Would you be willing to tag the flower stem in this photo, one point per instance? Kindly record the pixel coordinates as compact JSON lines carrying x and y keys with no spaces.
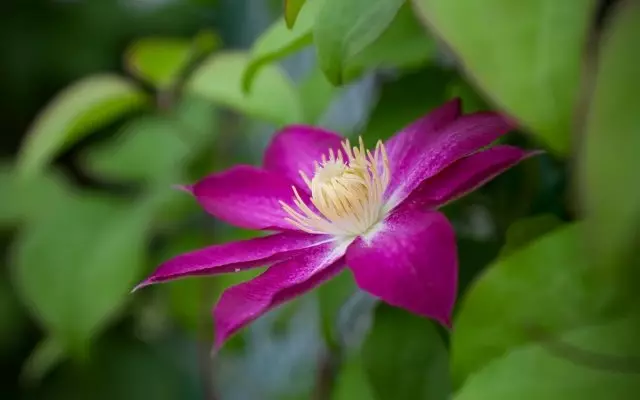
{"x":328,"y":367}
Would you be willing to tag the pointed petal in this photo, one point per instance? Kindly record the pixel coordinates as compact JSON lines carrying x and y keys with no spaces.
{"x":296,"y":148}
{"x":247,"y":197}
{"x":424,"y":149}
{"x":466,"y":175}
{"x":407,"y":144}
{"x":236,"y":256}
{"x":411,"y":263}
{"x":243,"y":303}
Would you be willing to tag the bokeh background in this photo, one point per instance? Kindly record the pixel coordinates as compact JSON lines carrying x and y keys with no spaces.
{"x":108,"y":104}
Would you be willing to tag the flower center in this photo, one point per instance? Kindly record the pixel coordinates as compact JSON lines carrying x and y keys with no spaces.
{"x":347,"y":192}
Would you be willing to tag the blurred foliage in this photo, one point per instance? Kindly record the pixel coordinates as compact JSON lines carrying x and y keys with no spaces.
{"x":291,"y":10}
{"x":79,"y":110}
{"x":115,"y":102}
{"x":586,"y":363}
{"x":610,"y":135}
{"x":403,"y":342}
{"x":342,"y":30}
{"x":525,"y":55}
{"x":273,"y":98}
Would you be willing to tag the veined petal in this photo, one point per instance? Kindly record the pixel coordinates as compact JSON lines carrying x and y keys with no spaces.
{"x":410,"y":263}
{"x":438,"y":145}
{"x":247,"y":197}
{"x":243,"y":303}
{"x":236,"y":256}
{"x":466,"y":175}
{"x":296,"y":148}
{"x":405,"y":146}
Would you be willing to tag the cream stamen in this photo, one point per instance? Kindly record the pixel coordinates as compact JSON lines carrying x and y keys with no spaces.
{"x":347,"y":193}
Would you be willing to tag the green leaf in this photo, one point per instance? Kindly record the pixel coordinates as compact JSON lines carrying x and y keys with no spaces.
{"x":405,"y":358}
{"x":544,"y":285}
{"x":21,"y":199}
{"x":523,"y":231}
{"x":198,"y":122}
{"x":279,"y":41}
{"x":76,"y":112}
{"x":417,"y":47}
{"x":402,"y":101}
{"x":273,"y":98}
{"x":76,"y":267}
{"x":471,"y":99}
{"x":612,"y":141}
{"x":589,"y":363}
{"x":161,"y":60}
{"x":158,"y":61}
{"x":345,"y":28}
{"x":351,"y":382}
{"x":291,"y":10}
{"x":524,"y":54}
{"x":150,"y":148}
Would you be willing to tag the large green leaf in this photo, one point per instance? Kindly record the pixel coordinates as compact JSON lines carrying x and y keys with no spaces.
{"x":76,"y":267}
{"x":543,"y":285}
{"x":352,"y":382}
{"x":525,"y":230}
{"x":273,"y":97}
{"x":404,"y":357}
{"x":279,"y":41}
{"x":524,"y":54}
{"x":345,"y":28}
{"x":385,"y":52}
{"x":77,"y":111}
{"x":22,"y":197}
{"x":612,"y":144}
{"x":151,"y":148}
{"x":291,"y":10}
{"x":595,"y":363}
{"x":161,"y":60}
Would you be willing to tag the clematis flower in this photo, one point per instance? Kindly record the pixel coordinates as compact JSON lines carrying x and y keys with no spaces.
{"x":335,"y":205}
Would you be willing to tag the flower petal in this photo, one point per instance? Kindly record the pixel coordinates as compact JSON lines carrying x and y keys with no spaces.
{"x":243,"y":303}
{"x":296,"y":148}
{"x":466,"y":175}
{"x":236,"y":256}
{"x":246,"y":196}
{"x":405,"y":146}
{"x":411,"y":263}
{"x":426,"y":148}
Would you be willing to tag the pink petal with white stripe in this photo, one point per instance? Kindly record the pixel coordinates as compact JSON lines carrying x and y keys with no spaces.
{"x":467,"y":175}
{"x":243,"y":303}
{"x":410,"y":263}
{"x":236,"y":256}
{"x":429,"y":147}
{"x":247,"y":197}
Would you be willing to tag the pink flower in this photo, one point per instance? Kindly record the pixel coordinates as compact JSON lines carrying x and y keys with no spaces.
{"x":334,"y":205}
